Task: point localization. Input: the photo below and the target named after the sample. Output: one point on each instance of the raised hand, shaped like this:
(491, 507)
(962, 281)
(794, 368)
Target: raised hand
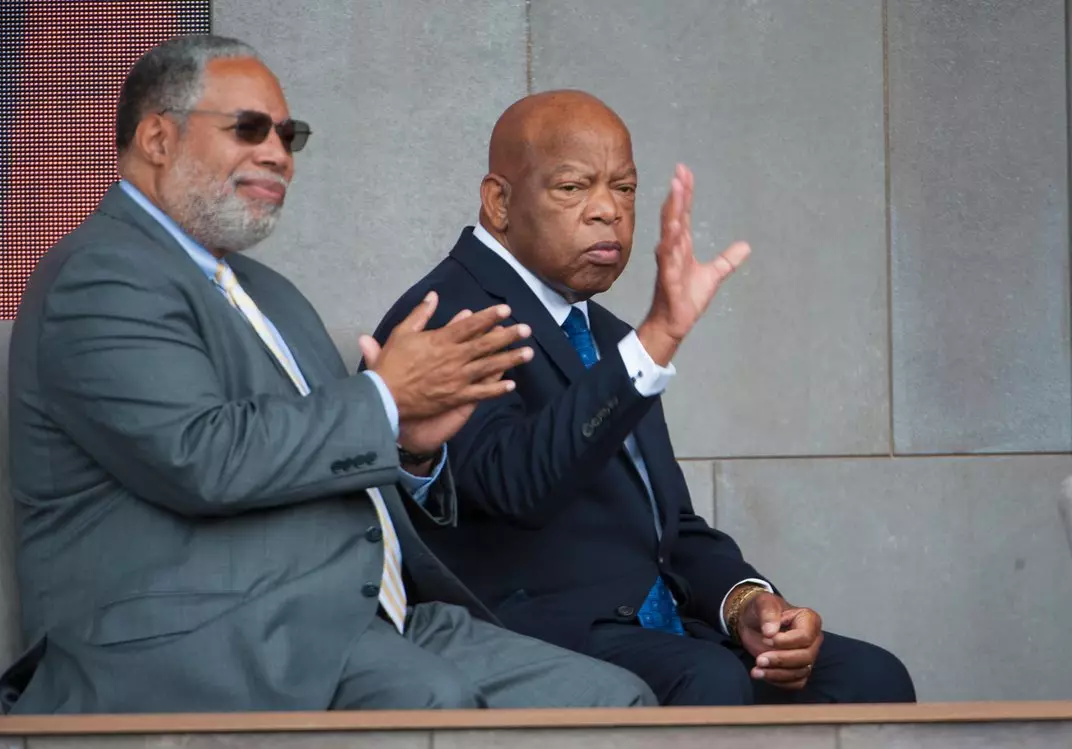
(438, 376)
(684, 287)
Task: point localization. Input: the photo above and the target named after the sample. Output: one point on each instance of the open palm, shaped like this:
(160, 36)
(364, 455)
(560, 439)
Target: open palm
(684, 286)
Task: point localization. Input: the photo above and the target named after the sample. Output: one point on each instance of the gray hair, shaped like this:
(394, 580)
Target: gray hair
(169, 76)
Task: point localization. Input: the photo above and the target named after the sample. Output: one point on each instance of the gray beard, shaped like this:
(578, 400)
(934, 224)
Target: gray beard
(213, 213)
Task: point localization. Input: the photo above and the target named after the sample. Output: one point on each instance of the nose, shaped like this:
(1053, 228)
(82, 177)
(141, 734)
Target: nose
(273, 155)
(602, 206)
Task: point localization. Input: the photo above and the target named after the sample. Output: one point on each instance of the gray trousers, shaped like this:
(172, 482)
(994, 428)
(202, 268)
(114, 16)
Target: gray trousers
(447, 659)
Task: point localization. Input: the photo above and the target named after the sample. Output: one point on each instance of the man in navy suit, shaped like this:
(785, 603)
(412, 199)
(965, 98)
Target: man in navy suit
(575, 521)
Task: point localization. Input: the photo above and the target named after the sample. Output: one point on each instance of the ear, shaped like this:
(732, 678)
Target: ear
(495, 201)
(157, 139)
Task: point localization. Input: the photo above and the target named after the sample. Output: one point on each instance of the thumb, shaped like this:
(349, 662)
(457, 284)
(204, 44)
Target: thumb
(769, 614)
(370, 350)
(729, 261)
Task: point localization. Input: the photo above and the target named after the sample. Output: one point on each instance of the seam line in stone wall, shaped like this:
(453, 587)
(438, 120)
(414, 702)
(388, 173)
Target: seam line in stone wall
(1068, 152)
(883, 456)
(528, 47)
(714, 493)
(887, 214)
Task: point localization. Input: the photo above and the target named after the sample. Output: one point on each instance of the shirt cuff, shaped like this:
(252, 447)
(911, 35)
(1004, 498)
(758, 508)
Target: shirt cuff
(389, 404)
(649, 378)
(722, 606)
(418, 486)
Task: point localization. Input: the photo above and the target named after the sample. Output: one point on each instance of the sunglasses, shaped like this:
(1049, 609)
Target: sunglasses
(252, 127)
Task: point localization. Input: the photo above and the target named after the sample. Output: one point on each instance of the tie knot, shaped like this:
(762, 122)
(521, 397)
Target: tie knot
(225, 277)
(575, 323)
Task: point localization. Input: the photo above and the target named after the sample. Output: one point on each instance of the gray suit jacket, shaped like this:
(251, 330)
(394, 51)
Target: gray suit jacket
(192, 533)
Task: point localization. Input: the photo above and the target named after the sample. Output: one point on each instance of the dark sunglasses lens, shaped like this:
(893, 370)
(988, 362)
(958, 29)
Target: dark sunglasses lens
(253, 127)
(294, 134)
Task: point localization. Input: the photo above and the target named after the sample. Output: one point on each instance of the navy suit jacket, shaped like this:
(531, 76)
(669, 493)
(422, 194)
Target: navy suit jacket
(555, 527)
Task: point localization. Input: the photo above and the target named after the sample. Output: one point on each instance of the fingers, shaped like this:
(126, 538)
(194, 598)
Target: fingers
(497, 339)
(370, 350)
(421, 314)
(460, 316)
(670, 218)
(785, 668)
(791, 640)
(781, 676)
(687, 183)
(494, 366)
(483, 391)
(804, 629)
(786, 659)
(464, 328)
(675, 242)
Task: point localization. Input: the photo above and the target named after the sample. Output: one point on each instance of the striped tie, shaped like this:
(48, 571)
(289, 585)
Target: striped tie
(392, 591)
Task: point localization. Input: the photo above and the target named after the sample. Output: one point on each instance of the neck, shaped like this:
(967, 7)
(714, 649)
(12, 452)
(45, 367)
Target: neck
(571, 297)
(500, 237)
(145, 185)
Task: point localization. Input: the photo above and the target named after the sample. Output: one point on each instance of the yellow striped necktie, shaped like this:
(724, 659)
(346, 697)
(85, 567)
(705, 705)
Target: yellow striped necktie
(392, 591)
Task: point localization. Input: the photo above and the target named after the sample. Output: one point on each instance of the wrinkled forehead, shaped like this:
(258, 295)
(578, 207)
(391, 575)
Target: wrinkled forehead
(599, 140)
(242, 83)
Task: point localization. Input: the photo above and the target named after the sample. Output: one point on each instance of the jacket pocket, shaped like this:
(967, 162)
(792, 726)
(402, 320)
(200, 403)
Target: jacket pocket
(158, 615)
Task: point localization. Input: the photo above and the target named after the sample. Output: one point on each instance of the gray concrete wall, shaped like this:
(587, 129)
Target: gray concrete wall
(880, 407)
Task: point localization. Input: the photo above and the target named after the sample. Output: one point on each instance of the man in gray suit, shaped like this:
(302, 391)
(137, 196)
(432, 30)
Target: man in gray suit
(212, 514)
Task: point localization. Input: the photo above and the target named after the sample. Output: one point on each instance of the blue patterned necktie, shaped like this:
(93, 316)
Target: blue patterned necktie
(658, 610)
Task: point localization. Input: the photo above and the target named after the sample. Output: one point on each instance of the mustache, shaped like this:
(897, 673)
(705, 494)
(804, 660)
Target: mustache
(260, 175)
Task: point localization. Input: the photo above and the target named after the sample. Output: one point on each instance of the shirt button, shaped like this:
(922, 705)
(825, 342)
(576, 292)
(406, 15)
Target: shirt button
(368, 590)
(626, 611)
(374, 533)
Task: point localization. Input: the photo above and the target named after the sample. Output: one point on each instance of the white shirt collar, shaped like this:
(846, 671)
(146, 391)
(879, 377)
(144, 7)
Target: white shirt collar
(554, 302)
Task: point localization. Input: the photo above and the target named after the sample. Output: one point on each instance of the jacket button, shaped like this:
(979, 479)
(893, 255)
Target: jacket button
(661, 560)
(374, 533)
(626, 611)
(368, 590)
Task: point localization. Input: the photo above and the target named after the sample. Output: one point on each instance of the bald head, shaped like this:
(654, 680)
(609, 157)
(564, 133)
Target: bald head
(537, 123)
(560, 189)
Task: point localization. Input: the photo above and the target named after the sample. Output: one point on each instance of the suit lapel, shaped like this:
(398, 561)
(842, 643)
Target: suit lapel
(283, 317)
(118, 205)
(497, 278)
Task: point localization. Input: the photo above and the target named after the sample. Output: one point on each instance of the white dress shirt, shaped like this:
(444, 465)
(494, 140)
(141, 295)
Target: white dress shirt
(649, 378)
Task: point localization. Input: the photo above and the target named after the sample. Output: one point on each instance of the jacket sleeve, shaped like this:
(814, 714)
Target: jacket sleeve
(525, 466)
(125, 372)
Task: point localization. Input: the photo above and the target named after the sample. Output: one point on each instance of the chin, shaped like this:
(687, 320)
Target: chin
(592, 288)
